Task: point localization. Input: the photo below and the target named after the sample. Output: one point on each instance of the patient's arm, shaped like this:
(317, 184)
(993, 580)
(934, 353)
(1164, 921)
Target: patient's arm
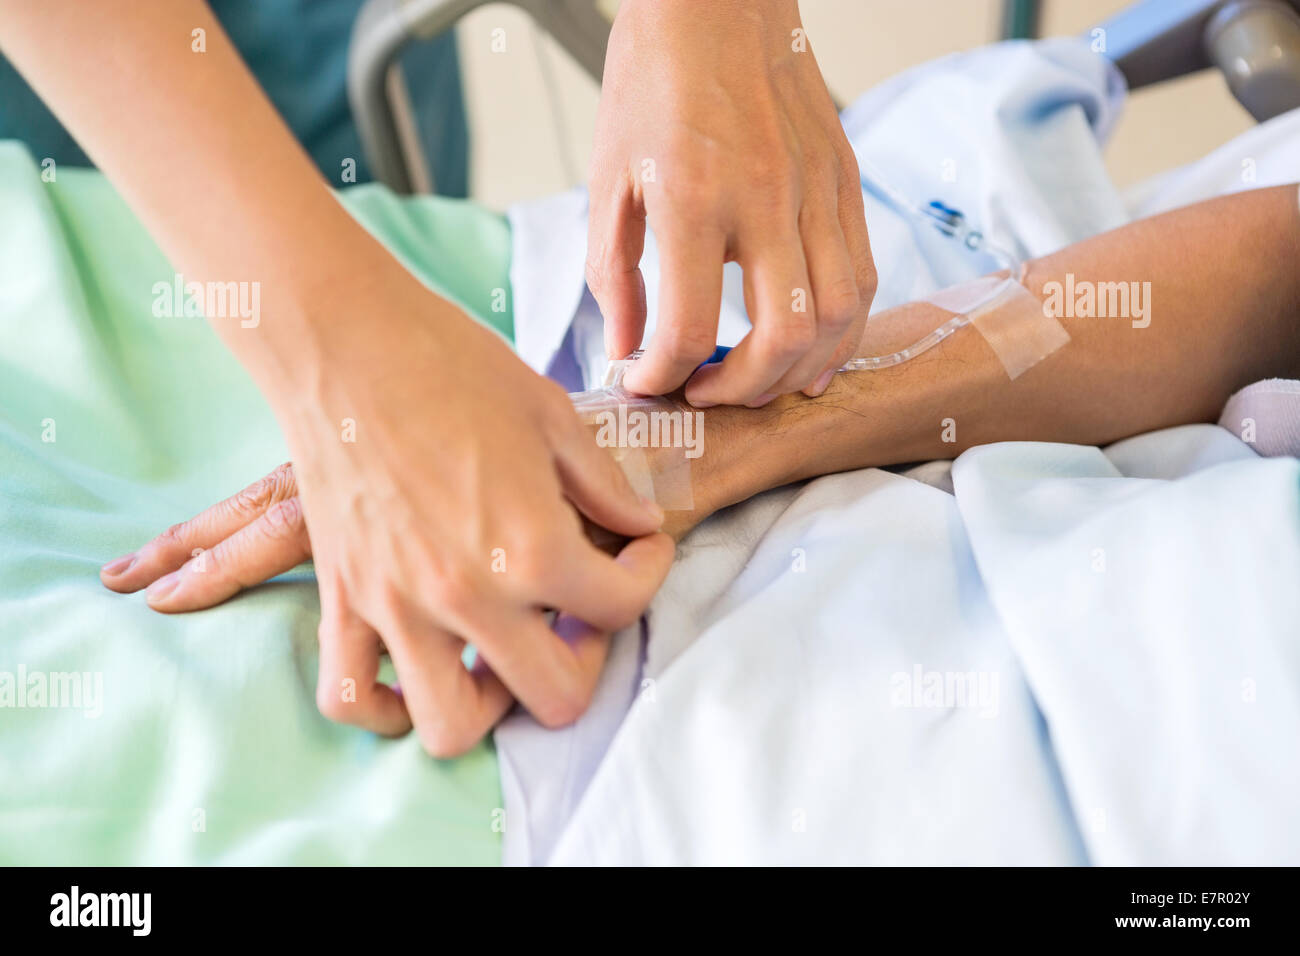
(1225, 294)
(1224, 309)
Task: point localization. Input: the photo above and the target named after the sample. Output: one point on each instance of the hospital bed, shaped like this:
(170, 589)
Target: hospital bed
(205, 745)
(1255, 44)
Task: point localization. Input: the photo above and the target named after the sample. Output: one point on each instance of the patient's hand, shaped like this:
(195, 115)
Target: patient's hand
(260, 532)
(236, 544)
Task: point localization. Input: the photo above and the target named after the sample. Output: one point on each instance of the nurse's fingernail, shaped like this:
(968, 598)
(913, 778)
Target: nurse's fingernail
(114, 568)
(162, 587)
(822, 383)
(762, 400)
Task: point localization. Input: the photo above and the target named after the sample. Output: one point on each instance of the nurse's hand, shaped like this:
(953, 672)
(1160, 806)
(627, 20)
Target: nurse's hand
(442, 483)
(717, 129)
(441, 480)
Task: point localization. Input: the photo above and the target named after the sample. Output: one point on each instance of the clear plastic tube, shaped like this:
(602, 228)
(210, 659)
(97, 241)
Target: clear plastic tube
(953, 224)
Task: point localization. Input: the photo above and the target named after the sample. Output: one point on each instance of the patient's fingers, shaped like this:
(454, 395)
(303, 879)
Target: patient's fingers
(274, 543)
(178, 544)
(347, 690)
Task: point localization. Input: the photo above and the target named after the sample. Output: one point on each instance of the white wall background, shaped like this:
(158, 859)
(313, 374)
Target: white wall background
(524, 147)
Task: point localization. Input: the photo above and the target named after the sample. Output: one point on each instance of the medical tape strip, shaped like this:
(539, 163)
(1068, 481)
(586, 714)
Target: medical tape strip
(637, 471)
(1011, 319)
(634, 427)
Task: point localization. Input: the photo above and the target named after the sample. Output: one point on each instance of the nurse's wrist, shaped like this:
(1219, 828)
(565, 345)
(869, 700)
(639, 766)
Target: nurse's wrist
(777, 18)
(337, 338)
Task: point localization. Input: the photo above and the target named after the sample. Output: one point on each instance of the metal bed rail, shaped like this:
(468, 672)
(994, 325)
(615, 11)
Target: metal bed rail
(1255, 43)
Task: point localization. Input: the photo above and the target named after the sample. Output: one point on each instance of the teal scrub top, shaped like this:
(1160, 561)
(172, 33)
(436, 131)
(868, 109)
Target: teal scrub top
(297, 49)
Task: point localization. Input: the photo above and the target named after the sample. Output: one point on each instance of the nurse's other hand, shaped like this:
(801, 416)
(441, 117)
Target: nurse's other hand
(716, 128)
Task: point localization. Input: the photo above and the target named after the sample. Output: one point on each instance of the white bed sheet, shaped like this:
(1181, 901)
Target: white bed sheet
(1134, 644)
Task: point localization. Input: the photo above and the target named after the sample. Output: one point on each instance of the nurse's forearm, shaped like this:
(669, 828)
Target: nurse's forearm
(1224, 311)
(193, 144)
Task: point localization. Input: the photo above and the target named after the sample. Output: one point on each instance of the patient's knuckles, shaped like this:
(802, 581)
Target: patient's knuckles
(286, 484)
(175, 539)
(254, 499)
(283, 521)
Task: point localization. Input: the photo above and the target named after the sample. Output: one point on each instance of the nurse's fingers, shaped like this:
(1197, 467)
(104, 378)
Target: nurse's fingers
(783, 314)
(274, 543)
(347, 687)
(451, 707)
(552, 672)
(615, 242)
(606, 592)
(853, 225)
(834, 289)
(178, 544)
(690, 298)
(595, 484)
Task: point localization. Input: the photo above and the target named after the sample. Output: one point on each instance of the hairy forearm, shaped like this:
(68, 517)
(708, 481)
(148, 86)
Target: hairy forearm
(1224, 311)
(200, 154)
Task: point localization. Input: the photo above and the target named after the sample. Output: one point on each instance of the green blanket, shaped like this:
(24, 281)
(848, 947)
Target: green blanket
(134, 737)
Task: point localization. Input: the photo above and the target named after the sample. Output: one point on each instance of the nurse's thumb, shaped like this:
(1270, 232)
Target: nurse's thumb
(597, 486)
